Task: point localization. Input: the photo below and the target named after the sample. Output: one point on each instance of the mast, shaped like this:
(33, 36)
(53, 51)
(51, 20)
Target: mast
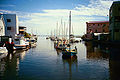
(64, 30)
(72, 30)
(57, 29)
(69, 25)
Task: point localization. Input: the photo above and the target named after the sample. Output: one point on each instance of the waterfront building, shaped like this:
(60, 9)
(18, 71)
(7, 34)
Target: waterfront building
(22, 29)
(11, 24)
(2, 26)
(96, 28)
(114, 19)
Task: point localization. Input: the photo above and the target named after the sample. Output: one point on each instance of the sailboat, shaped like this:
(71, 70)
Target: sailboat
(69, 51)
(59, 43)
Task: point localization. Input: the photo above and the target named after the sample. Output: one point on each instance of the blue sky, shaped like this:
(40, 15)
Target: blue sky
(41, 16)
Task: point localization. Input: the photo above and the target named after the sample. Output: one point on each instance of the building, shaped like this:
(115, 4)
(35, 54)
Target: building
(22, 29)
(2, 26)
(96, 28)
(11, 24)
(114, 19)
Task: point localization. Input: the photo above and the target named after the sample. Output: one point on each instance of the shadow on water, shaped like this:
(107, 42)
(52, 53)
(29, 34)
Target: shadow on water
(114, 63)
(112, 53)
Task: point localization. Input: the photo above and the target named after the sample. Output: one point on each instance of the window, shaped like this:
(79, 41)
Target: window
(8, 20)
(8, 28)
(96, 30)
(104, 25)
(103, 30)
(117, 18)
(119, 11)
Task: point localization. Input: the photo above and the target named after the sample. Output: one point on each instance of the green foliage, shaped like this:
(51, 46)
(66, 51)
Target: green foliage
(27, 35)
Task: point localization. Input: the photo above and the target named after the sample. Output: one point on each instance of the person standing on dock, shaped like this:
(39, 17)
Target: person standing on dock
(10, 47)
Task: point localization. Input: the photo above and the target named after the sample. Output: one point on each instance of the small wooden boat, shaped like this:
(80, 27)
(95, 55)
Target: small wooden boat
(47, 37)
(60, 46)
(69, 52)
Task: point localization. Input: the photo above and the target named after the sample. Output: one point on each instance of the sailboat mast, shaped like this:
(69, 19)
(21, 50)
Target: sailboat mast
(64, 30)
(69, 25)
(57, 29)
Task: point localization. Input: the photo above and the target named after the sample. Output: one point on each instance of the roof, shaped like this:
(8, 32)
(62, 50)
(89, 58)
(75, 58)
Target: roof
(115, 3)
(98, 22)
(22, 26)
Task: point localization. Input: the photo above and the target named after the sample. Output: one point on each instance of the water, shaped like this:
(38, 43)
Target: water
(43, 62)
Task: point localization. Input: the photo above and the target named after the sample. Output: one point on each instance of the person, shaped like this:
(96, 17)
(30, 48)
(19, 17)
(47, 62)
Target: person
(10, 47)
(7, 45)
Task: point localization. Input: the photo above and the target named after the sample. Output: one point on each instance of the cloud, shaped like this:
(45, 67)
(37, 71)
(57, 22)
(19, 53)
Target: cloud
(9, 5)
(9, 12)
(96, 7)
(45, 21)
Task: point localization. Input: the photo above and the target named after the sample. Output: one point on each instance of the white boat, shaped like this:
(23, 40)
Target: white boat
(3, 52)
(20, 43)
(32, 42)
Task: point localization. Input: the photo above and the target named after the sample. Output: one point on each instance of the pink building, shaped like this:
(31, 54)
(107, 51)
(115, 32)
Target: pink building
(97, 27)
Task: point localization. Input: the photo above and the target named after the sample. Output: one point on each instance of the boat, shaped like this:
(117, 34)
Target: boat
(20, 43)
(69, 51)
(3, 52)
(32, 42)
(47, 37)
(59, 45)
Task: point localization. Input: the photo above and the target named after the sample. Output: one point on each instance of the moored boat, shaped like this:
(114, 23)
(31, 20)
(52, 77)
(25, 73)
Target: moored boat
(20, 43)
(3, 52)
(68, 51)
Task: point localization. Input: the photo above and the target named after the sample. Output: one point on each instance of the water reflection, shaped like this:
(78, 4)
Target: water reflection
(70, 62)
(58, 51)
(114, 63)
(9, 66)
(101, 51)
(96, 51)
(93, 62)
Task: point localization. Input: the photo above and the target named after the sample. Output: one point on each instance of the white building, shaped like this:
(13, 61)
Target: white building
(2, 26)
(11, 24)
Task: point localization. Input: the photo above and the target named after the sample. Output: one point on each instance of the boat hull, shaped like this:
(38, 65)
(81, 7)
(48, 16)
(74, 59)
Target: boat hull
(20, 47)
(68, 53)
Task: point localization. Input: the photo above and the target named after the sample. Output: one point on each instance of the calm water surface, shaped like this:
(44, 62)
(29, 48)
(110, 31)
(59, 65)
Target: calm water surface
(93, 62)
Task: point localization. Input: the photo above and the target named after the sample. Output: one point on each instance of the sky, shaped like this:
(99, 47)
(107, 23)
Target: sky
(41, 16)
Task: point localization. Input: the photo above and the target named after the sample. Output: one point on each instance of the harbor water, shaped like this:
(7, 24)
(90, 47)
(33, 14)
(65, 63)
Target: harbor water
(44, 62)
